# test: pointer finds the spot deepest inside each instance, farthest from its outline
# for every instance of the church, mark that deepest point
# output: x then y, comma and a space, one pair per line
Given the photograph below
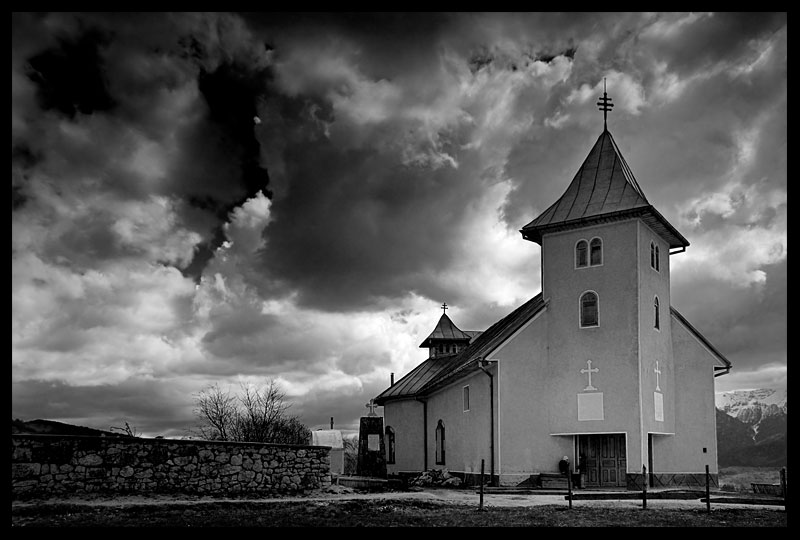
597, 367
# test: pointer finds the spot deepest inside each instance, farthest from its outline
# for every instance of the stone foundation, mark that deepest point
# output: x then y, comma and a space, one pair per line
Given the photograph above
672, 480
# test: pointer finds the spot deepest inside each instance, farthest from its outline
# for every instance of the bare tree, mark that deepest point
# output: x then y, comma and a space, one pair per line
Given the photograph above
217, 412
127, 430
257, 414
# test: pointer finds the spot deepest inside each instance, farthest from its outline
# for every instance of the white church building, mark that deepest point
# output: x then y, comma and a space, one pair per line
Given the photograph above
598, 366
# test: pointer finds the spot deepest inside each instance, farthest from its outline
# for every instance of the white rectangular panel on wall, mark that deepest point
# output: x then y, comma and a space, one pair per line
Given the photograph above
373, 442
590, 406
658, 403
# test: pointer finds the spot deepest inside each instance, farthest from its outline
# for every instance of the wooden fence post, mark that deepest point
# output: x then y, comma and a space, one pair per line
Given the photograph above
644, 487
783, 486
569, 485
480, 506
708, 491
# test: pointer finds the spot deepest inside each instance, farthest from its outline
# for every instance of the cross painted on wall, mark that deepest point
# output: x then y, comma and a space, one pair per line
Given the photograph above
657, 372
589, 370
371, 406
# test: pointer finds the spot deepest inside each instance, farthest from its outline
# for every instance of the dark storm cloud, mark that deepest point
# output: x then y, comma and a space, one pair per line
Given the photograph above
70, 77
346, 406
748, 325
127, 87
150, 406
706, 39
357, 225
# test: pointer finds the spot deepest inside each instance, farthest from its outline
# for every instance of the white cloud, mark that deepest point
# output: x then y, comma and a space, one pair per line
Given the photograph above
752, 233
579, 105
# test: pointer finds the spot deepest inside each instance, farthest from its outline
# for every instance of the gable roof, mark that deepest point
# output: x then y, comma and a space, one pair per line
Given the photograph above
445, 331
603, 189
439, 371
435, 373
726, 365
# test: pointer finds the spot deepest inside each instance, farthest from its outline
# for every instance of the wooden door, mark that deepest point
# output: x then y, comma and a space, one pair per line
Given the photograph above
589, 453
605, 459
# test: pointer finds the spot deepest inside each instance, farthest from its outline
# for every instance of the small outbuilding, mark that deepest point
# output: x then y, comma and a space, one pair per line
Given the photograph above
332, 438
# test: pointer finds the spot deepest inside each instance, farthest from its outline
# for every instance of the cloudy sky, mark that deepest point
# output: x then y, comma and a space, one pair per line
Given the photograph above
228, 198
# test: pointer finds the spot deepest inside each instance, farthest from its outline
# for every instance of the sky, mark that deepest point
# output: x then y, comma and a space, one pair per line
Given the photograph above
231, 198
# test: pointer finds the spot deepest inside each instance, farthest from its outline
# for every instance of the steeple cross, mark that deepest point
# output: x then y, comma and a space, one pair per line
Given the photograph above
371, 406
589, 370
444, 308
605, 105
658, 372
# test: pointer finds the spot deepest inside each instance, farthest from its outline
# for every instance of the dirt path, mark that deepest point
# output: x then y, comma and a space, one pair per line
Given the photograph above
448, 496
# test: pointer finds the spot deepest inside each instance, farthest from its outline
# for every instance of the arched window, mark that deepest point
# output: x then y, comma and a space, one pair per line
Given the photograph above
595, 252
440, 443
581, 254
656, 322
657, 265
589, 309
389, 445
652, 255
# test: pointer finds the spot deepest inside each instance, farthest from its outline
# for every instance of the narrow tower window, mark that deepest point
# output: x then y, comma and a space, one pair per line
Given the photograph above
589, 309
657, 259
440, 443
466, 398
581, 254
389, 445
596, 252
652, 255
656, 323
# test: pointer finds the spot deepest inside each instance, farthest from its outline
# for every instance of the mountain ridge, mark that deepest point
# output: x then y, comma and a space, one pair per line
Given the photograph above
752, 427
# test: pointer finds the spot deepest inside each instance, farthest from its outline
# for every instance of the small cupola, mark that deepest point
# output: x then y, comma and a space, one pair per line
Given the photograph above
446, 338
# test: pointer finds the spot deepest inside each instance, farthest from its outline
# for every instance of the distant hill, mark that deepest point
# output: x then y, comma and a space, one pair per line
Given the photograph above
51, 427
752, 428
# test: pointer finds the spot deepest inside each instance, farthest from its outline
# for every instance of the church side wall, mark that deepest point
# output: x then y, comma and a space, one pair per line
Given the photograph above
612, 347
524, 442
467, 433
405, 418
695, 415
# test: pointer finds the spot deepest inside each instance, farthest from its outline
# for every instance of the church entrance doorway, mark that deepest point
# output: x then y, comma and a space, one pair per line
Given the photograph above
604, 459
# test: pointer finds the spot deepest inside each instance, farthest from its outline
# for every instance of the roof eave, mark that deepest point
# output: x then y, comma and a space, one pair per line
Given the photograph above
674, 238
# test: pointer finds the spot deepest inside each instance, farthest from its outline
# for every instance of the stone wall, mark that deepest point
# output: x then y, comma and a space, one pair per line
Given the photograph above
48, 465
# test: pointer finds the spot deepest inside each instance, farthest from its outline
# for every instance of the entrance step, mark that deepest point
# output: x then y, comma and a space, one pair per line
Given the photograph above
553, 481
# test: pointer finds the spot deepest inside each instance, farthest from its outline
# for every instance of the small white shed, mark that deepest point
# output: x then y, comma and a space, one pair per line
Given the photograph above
332, 438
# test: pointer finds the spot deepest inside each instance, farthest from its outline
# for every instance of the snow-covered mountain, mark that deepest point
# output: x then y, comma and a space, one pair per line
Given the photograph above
753, 407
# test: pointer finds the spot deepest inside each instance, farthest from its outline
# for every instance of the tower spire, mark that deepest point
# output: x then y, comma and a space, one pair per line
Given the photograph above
605, 105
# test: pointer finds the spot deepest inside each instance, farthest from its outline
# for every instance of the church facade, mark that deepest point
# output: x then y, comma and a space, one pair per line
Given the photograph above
597, 367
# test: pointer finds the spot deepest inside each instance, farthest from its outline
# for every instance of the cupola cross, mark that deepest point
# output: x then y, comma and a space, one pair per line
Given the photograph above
605, 105
444, 308
590, 370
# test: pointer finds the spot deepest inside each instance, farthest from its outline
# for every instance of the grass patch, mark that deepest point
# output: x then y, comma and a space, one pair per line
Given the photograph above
739, 479
378, 513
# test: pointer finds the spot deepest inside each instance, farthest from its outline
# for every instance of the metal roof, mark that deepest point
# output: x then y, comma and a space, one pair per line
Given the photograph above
441, 370
604, 189
445, 331
435, 373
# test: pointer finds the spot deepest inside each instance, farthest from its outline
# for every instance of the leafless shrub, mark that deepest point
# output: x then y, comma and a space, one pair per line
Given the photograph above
256, 414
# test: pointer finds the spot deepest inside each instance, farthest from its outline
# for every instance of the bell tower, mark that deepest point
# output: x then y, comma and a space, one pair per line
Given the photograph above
605, 273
